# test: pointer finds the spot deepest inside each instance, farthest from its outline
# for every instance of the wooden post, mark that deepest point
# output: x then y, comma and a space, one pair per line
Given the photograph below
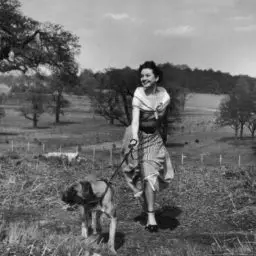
220, 160
202, 158
239, 161
43, 147
182, 158
93, 156
110, 157
28, 146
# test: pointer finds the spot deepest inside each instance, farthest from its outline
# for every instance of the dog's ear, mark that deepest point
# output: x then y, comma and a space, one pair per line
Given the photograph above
86, 191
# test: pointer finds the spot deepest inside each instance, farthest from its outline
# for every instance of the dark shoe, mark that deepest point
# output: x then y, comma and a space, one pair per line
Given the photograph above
152, 228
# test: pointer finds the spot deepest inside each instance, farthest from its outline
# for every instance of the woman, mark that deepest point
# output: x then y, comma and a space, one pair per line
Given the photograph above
150, 159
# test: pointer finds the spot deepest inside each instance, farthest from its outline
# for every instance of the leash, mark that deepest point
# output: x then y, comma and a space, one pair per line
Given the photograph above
132, 144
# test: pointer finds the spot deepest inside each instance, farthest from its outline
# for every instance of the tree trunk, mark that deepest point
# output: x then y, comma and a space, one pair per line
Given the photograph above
241, 131
35, 120
236, 131
253, 132
111, 121
57, 110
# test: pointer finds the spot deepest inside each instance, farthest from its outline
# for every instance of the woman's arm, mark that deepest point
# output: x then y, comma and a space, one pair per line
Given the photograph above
135, 122
135, 114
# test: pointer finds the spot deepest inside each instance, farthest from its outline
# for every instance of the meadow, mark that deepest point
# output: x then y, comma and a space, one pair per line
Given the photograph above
209, 208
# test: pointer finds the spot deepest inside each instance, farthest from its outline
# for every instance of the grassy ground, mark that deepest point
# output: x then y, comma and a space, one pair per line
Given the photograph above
209, 209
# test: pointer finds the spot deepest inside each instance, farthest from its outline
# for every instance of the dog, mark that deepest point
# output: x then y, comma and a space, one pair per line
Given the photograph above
93, 197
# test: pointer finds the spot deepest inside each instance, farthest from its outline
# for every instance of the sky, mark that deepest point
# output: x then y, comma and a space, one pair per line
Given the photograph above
204, 34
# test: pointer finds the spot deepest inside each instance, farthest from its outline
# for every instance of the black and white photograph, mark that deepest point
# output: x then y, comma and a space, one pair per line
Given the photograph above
127, 128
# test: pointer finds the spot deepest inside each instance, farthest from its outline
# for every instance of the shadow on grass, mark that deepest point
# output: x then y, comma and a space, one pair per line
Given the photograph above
174, 145
65, 123
119, 239
166, 217
37, 128
8, 134
235, 141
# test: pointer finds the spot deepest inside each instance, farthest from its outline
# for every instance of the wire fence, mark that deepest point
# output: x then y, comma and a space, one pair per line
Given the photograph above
110, 153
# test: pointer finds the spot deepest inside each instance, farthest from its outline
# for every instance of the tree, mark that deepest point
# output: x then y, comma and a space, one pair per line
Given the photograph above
2, 111
36, 100
228, 114
251, 124
27, 44
113, 97
87, 83
237, 109
60, 81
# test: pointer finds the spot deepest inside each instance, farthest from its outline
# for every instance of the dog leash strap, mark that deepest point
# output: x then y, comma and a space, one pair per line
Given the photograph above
124, 159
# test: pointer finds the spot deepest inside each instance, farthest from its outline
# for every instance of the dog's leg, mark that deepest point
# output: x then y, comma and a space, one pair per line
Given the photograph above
112, 232
85, 222
94, 222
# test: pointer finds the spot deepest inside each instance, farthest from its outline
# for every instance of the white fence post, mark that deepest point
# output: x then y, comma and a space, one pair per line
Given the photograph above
202, 158
220, 160
182, 158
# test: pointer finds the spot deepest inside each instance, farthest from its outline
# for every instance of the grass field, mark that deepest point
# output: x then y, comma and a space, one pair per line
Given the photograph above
209, 209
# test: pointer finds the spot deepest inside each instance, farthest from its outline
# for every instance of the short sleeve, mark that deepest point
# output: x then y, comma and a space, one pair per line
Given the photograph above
136, 102
166, 97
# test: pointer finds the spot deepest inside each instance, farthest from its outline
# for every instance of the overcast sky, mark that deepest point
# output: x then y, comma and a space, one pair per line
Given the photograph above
217, 34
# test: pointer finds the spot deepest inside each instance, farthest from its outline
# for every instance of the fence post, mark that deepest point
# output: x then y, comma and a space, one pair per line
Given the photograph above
182, 158
93, 156
110, 157
239, 160
220, 160
43, 147
202, 158
12, 146
28, 146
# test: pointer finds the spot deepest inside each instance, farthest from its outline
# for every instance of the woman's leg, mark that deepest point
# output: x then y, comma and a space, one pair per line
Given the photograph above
150, 200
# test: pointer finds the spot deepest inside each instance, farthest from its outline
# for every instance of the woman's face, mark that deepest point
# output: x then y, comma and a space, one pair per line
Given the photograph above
148, 78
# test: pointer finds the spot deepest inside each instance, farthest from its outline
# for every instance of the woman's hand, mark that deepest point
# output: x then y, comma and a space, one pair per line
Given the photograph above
133, 143
160, 107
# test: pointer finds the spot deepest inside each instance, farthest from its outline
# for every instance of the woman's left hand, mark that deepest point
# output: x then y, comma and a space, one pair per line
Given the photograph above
160, 107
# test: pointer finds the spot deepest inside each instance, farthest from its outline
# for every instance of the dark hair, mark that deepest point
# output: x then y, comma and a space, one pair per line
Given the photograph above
152, 65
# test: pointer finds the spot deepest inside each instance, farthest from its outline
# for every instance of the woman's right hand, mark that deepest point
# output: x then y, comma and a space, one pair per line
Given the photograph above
133, 143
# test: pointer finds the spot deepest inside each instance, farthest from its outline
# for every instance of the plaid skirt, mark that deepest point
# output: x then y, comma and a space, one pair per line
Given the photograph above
151, 161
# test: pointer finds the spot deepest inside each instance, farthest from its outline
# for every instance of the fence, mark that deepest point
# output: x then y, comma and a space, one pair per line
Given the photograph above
110, 154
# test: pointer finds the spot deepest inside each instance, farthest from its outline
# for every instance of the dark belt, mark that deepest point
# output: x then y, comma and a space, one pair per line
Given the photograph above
148, 130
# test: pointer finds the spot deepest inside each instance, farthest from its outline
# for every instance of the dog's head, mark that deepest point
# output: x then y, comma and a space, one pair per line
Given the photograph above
80, 193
